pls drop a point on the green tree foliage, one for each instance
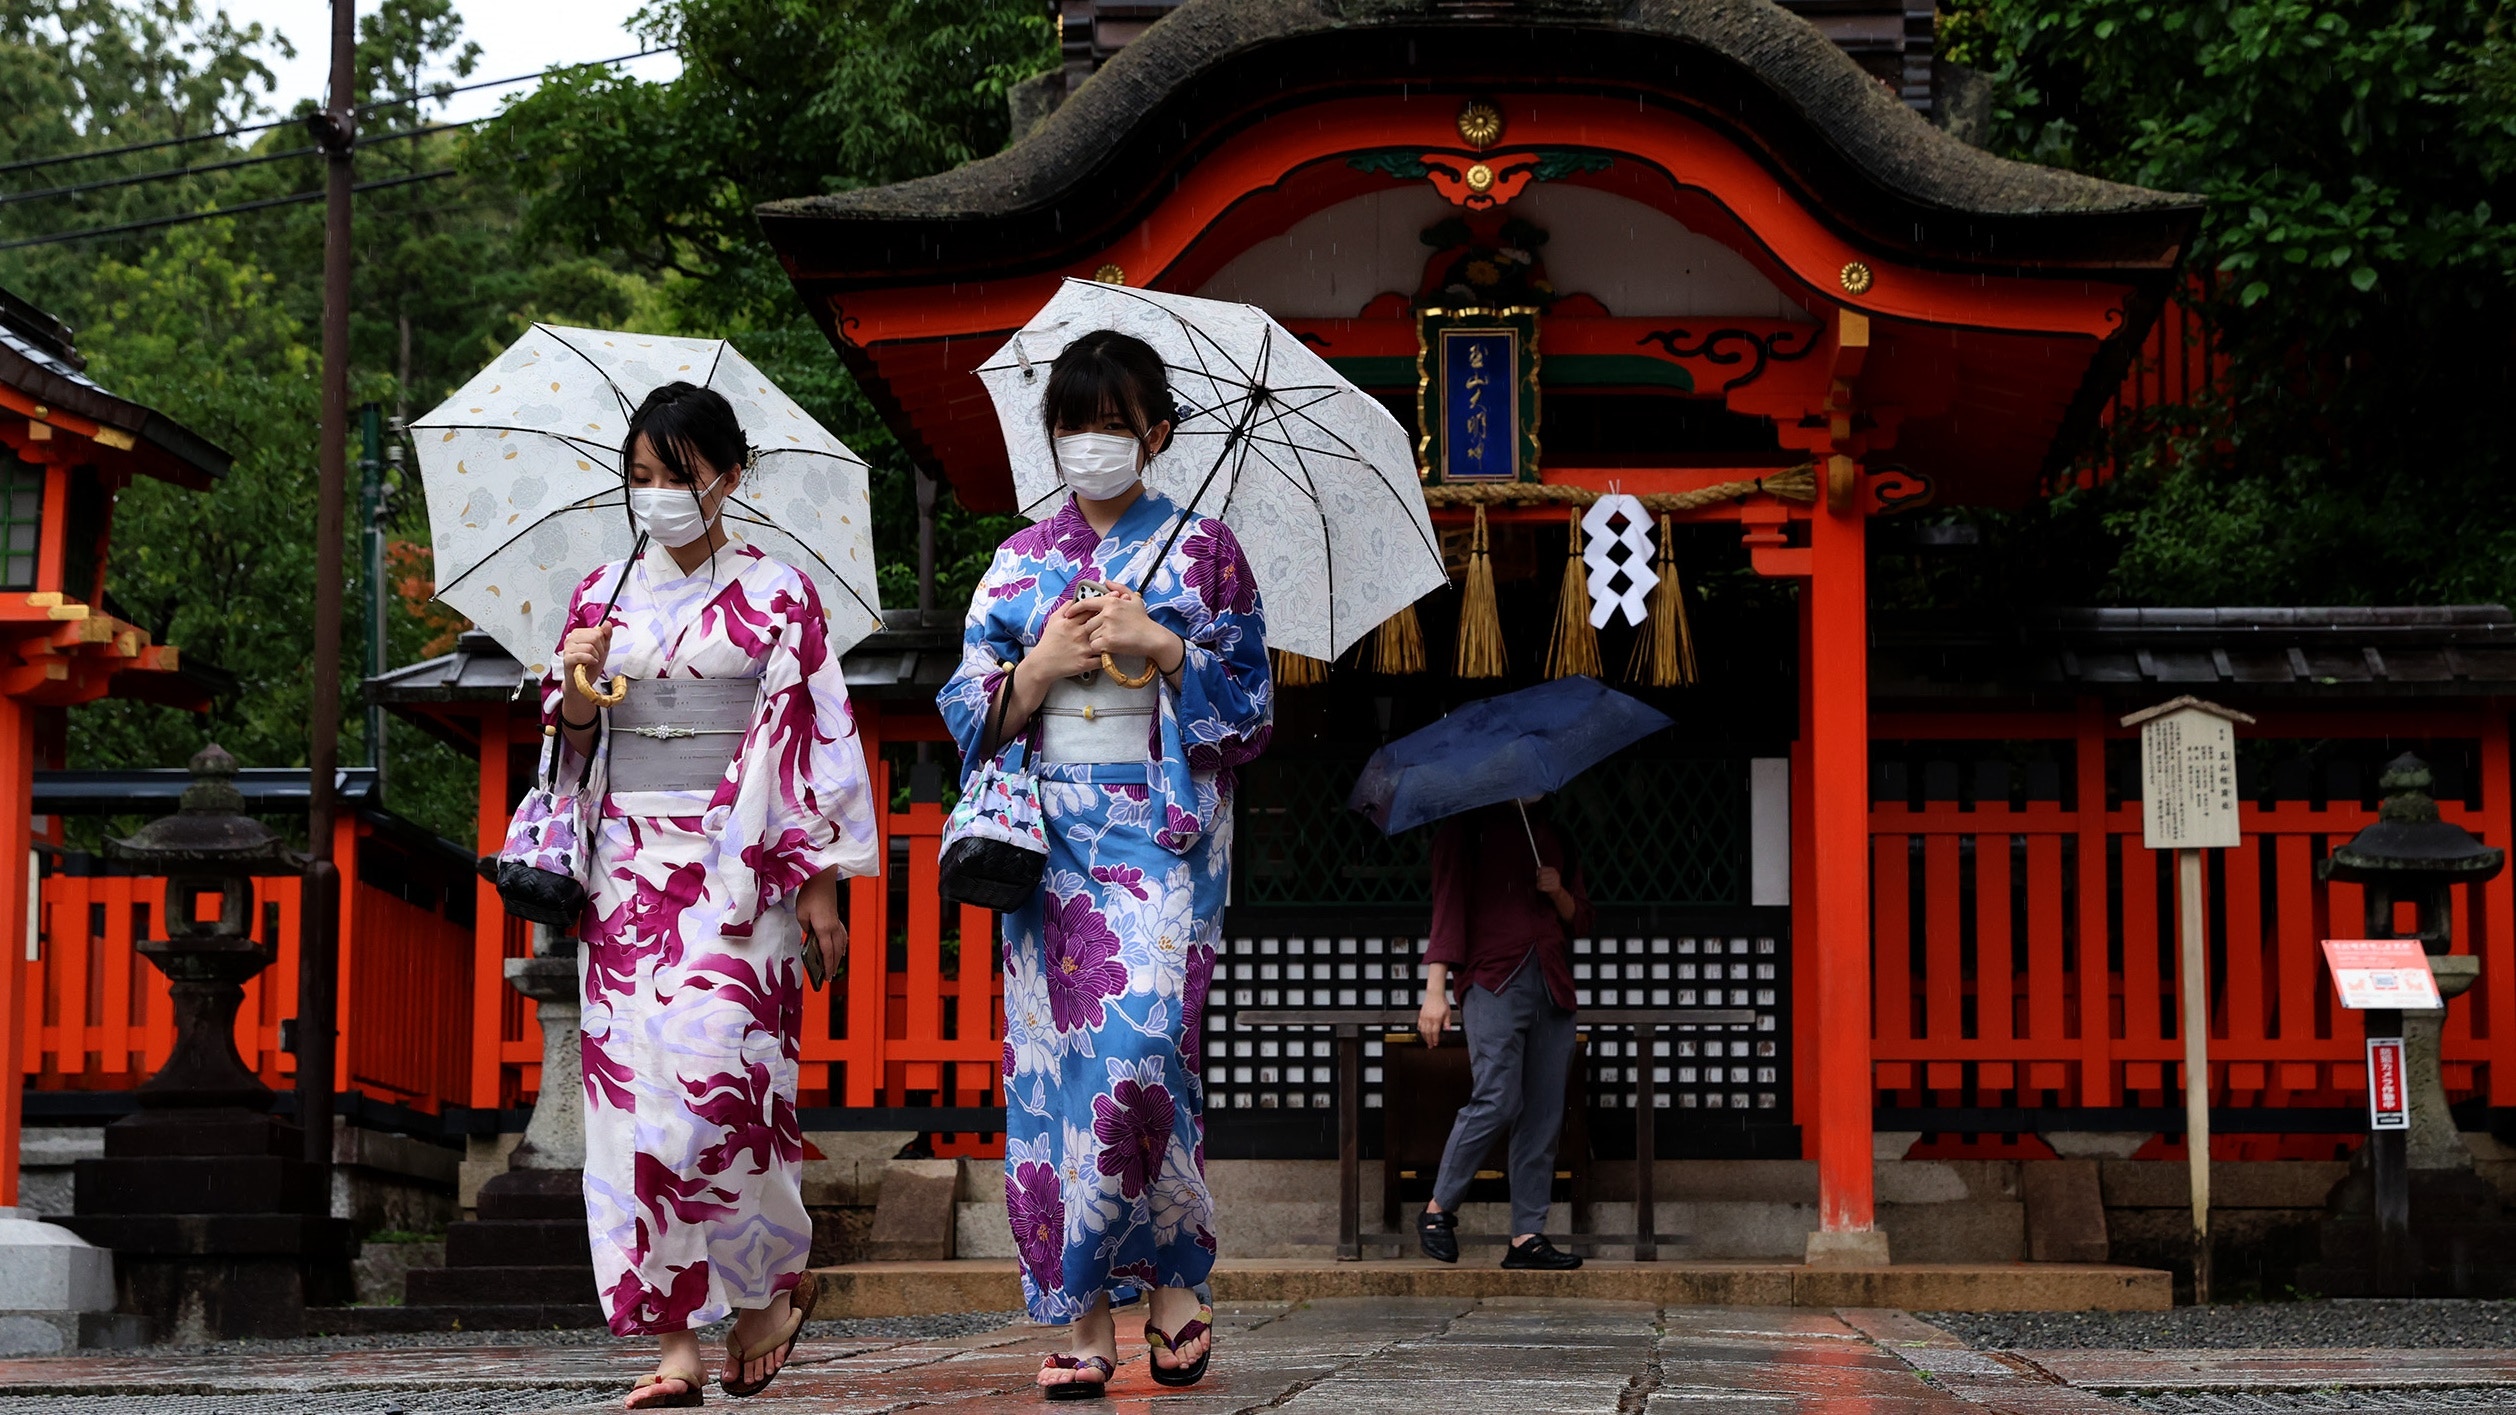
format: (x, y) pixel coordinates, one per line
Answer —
(777, 98)
(2355, 266)
(215, 323)
(200, 332)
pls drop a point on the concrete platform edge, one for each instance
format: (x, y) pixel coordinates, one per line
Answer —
(907, 1289)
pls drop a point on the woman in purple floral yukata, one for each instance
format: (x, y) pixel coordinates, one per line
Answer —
(1145, 691)
(735, 799)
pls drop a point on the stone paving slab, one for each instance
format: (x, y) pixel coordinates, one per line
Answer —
(1496, 1355)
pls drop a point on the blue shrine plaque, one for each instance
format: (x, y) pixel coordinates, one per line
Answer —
(1480, 405)
(1478, 395)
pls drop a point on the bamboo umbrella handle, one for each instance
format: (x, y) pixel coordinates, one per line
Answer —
(609, 695)
(1109, 666)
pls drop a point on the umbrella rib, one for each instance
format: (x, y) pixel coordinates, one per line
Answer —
(1054, 491)
(1186, 324)
(1308, 485)
(591, 449)
(1430, 547)
(588, 503)
(1238, 433)
(757, 519)
(626, 412)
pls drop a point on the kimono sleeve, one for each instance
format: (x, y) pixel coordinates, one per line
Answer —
(804, 802)
(585, 610)
(991, 641)
(1222, 712)
(1226, 699)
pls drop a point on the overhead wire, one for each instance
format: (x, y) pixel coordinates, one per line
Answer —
(28, 164)
(174, 173)
(154, 222)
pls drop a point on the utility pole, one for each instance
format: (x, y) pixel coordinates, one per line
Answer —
(373, 507)
(318, 961)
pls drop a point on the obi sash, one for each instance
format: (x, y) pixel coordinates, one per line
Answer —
(679, 734)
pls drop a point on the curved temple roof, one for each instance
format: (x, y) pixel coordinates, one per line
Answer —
(1768, 77)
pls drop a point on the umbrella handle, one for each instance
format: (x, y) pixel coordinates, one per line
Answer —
(609, 695)
(1109, 666)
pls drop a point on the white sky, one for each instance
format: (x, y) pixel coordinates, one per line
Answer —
(515, 36)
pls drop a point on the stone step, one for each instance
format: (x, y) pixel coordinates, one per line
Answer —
(462, 1287)
(327, 1240)
(202, 1134)
(487, 1316)
(534, 1194)
(536, 1242)
(227, 1184)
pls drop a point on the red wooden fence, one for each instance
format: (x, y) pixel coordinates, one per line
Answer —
(915, 1019)
(2026, 955)
(98, 1017)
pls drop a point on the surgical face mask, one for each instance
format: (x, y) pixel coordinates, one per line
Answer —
(1098, 465)
(671, 514)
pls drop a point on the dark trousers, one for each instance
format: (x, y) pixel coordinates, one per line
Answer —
(1520, 1045)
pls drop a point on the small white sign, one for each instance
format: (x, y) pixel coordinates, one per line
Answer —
(2188, 795)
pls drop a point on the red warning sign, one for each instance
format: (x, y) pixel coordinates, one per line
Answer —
(2388, 1108)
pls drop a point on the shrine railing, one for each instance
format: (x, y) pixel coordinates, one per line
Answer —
(98, 1016)
(2024, 954)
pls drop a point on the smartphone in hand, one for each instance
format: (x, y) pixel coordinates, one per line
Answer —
(815, 970)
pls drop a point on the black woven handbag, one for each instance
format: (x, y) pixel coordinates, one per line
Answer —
(994, 852)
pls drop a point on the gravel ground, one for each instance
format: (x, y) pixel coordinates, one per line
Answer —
(2362, 1322)
(2497, 1402)
(853, 1329)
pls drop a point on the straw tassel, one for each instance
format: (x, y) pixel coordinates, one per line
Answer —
(1574, 649)
(1664, 654)
(1480, 620)
(1398, 644)
(1293, 670)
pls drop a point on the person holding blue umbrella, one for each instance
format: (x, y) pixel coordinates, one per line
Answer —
(1508, 896)
(1504, 910)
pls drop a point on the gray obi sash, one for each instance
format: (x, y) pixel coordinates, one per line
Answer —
(679, 734)
(1098, 721)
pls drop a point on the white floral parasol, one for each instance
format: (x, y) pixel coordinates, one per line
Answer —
(525, 496)
(1314, 476)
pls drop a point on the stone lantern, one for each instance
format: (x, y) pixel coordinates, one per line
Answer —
(220, 1228)
(2462, 1243)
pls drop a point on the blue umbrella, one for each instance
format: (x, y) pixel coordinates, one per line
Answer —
(1500, 749)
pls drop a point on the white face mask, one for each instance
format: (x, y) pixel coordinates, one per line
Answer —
(1099, 465)
(671, 514)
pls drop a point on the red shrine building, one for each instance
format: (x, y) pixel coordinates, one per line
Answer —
(1713, 247)
(68, 447)
(1734, 263)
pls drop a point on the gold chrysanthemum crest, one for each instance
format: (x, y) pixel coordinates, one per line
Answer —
(1481, 124)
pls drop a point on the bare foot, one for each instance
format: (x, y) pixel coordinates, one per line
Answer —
(665, 1384)
(762, 1331)
(1092, 1335)
(1173, 1308)
(1053, 1374)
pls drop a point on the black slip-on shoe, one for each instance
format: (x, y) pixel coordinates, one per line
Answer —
(1438, 1235)
(1540, 1254)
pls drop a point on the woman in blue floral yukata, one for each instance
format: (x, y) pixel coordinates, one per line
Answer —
(1143, 686)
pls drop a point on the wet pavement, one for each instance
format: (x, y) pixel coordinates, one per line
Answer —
(1421, 1356)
